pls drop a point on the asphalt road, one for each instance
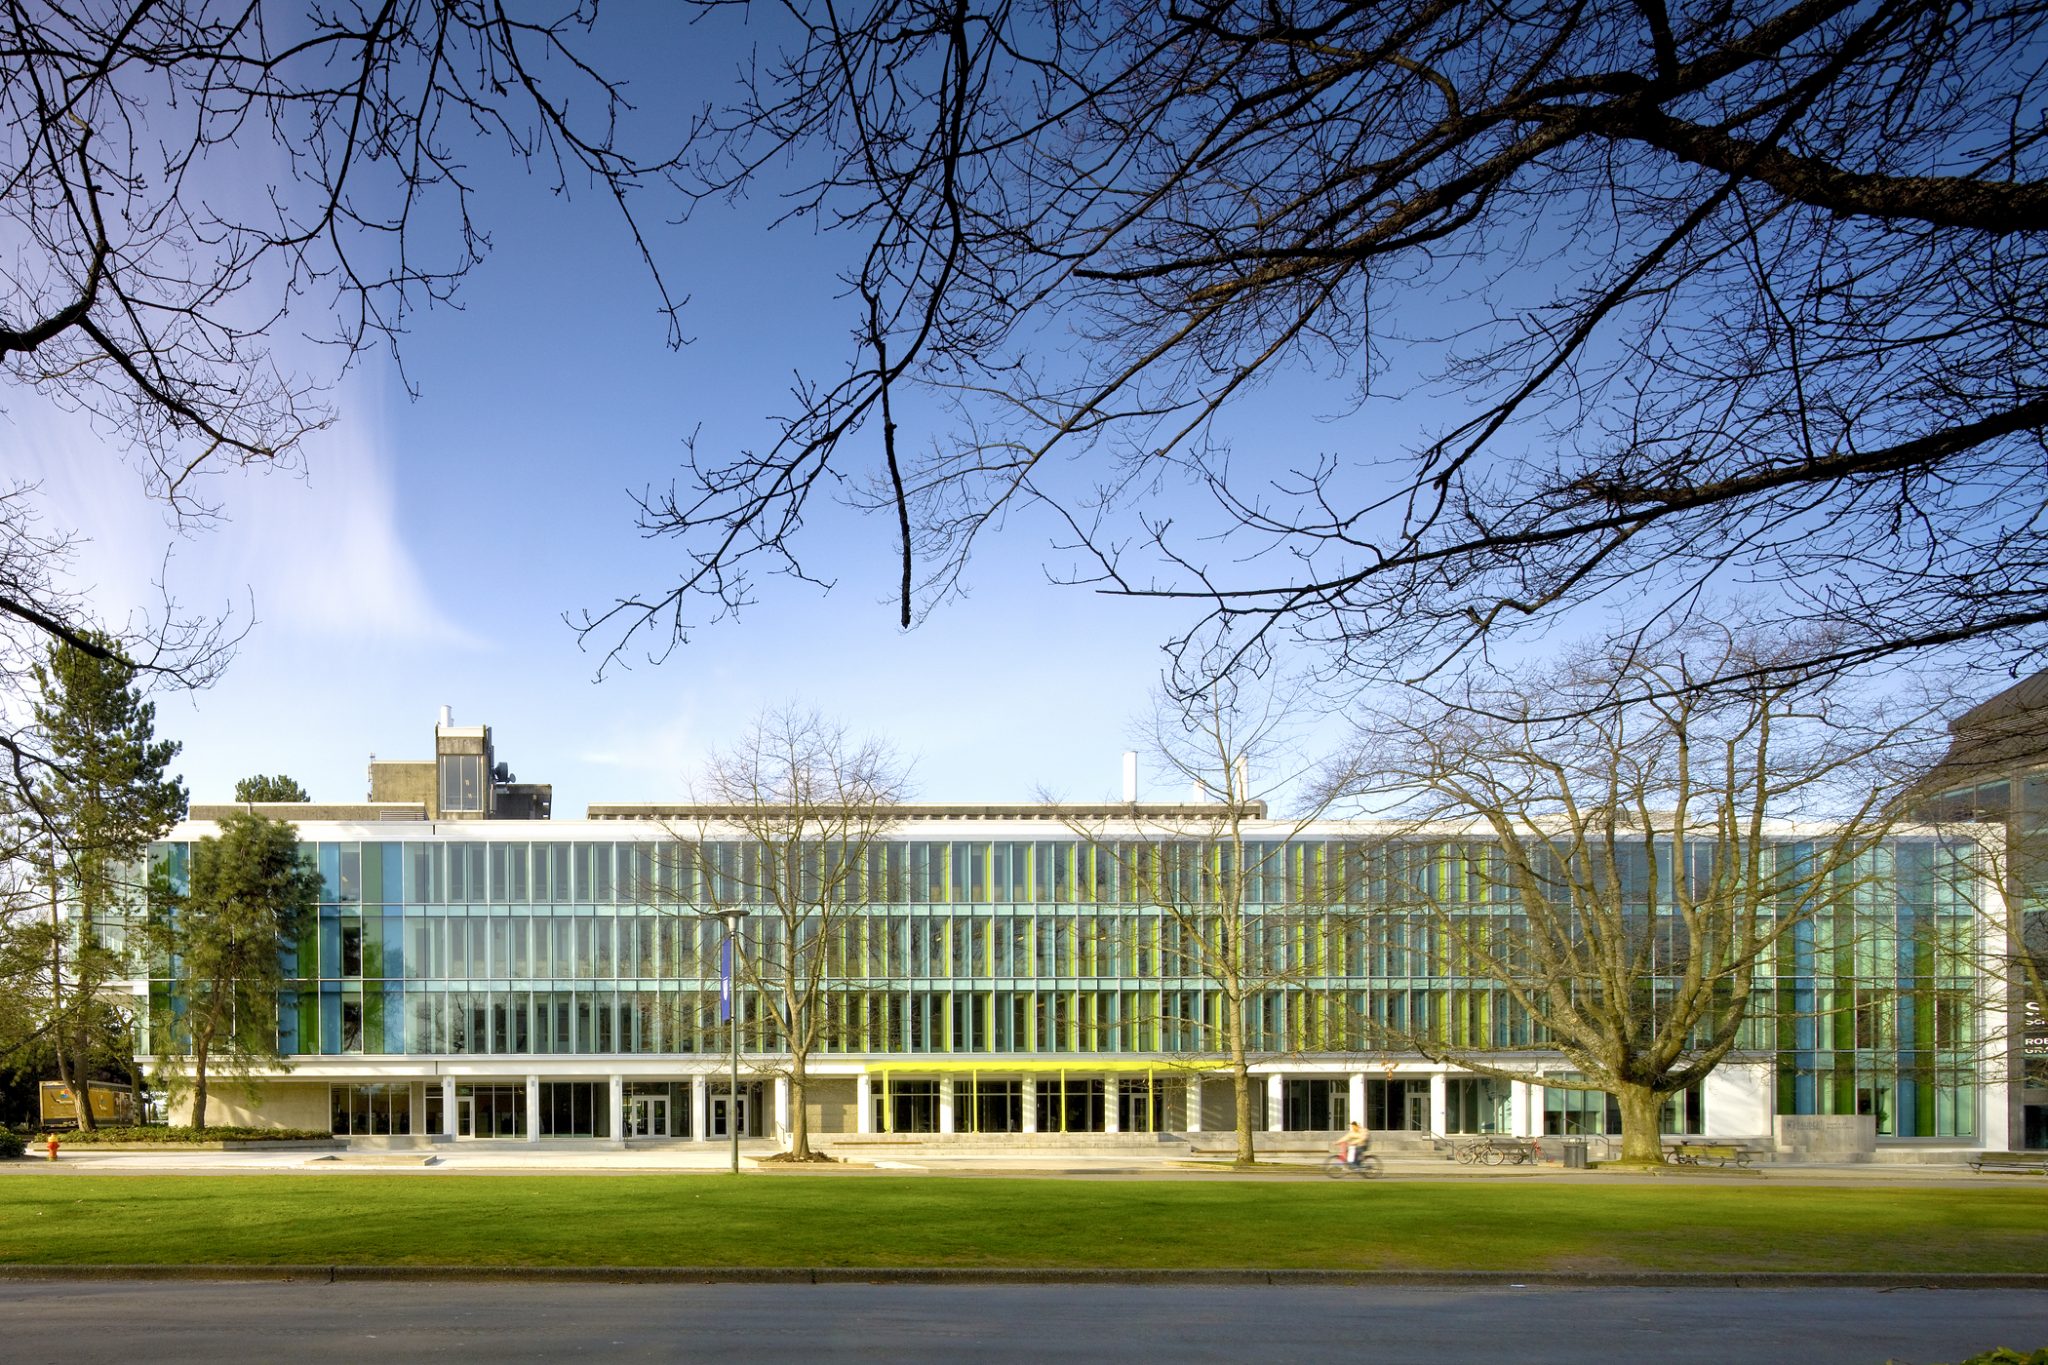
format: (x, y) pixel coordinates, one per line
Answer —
(74, 1322)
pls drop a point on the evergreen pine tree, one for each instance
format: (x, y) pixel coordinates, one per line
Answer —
(103, 800)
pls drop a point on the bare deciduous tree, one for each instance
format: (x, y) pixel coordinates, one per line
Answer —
(189, 181)
(1205, 866)
(806, 802)
(1619, 882)
(1720, 298)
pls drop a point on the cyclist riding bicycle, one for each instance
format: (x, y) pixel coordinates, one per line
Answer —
(1353, 1144)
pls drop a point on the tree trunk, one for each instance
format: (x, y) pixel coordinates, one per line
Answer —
(1241, 1080)
(1641, 1107)
(198, 1086)
(82, 1065)
(799, 1125)
(64, 1070)
(76, 1079)
(796, 1010)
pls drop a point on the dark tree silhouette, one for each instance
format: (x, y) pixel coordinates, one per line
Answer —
(1726, 299)
(188, 181)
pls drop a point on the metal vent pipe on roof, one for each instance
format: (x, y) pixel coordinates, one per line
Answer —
(447, 718)
(1131, 775)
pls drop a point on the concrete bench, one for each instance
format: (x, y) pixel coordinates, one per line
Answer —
(2011, 1163)
(1721, 1153)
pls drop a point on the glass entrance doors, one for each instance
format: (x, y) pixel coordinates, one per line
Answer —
(727, 1109)
(648, 1116)
(490, 1111)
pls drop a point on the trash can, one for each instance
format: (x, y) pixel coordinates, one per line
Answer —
(1575, 1154)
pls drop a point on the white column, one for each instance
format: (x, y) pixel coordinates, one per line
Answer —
(447, 1106)
(945, 1104)
(1522, 1100)
(1031, 1104)
(1355, 1100)
(1276, 1104)
(1195, 1103)
(700, 1109)
(863, 1104)
(618, 1103)
(1112, 1115)
(781, 1106)
(533, 1109)
(1439, 1103)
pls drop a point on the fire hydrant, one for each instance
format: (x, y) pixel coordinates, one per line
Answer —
(53, 1147)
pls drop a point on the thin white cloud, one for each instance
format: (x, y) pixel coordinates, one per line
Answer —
(673, 749)
(320, 554)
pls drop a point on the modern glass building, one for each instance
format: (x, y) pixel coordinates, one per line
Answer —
(480, 978)
(1993, 785)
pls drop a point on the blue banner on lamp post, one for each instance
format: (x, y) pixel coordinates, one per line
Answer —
(725, 980)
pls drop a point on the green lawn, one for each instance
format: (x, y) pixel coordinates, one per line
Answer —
(719, 1221)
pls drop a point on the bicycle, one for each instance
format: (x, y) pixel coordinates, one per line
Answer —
(1336, 1167)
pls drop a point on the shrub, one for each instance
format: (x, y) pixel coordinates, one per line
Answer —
(12, 1144)
(176, 1136)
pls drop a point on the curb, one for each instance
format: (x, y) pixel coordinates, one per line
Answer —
(938, 1275)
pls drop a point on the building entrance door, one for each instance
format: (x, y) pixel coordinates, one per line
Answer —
(1418, 1112)
(727, 1109)
(649, 1116)
(465, 1116)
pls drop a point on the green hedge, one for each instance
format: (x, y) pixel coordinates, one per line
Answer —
(178, 1136)
(12, 1144)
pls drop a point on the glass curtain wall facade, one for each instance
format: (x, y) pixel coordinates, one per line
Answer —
(562, 943)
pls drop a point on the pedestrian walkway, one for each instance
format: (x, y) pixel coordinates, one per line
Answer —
(584, 1157)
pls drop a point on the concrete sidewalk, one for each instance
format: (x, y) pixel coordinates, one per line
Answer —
(583, 1157)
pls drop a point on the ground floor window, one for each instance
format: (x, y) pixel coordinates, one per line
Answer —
(658, 1109)
(1919, 1094)
(1070, 1106)
(906, 1106)
(1397, 1106)
(1477, 1104)
(1316, 1105)
(490, 1111)
(575, 1109)
(373, 1110)
(1568, 1113)
(1150, 1104)
(988, 1106)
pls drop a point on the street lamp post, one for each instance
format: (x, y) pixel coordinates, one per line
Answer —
(732, 917)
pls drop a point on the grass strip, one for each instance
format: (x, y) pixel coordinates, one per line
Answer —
(698, 1220)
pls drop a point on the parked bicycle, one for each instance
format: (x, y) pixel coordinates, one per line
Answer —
(1496, 1151)
(1367, 1166)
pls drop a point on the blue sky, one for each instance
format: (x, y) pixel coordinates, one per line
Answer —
(429, 549)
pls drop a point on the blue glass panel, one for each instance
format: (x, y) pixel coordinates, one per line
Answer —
(330, 1020)
(394, 1021)
(394, 946)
